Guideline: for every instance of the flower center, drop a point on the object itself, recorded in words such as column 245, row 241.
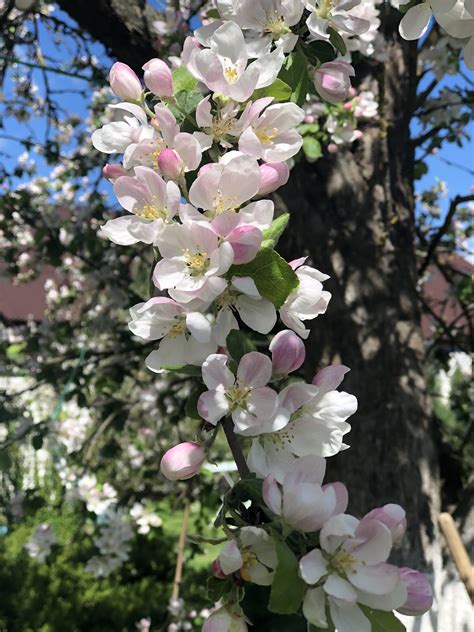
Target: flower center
column 221, row 127
column 231, row 74
column 275, row 25
column 220, row 203
column 226, row 299
column 266, row 136
column 152, row 211
column 249, row 560
column 237, row 396
column 280, row 438
column 197, row 263
column 178, row 329
column 341, row 562
column 325, row 8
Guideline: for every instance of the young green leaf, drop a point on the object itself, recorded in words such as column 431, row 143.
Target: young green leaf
column 382, row 621
column 337, row 41
column 238, row 344
column 273, row 276
column 279, row 90
column 183, row 81
column 319, row 52
column 288, row 588
column 312, row 148
column 276, row 228
column 295, row 74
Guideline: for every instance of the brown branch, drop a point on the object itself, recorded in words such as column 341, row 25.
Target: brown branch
column 459, row 199
column 181, row 544
column 235, row 448
column 458, row 552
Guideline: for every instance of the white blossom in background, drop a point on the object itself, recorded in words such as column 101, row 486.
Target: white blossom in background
column 145, row 518
column 40, row 544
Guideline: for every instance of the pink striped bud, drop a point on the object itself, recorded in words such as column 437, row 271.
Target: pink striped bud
column 124, row 82
column 183, row 461
column 332, row 80
column 420, row 595
column 113, row 171
column 170, row 164
column 158, row 78
column 217, row 570
column 273, row 175
column 393, row 517
column 288, row 352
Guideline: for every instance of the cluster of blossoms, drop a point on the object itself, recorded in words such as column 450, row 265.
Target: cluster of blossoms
column 40, row 544
column 202, row 149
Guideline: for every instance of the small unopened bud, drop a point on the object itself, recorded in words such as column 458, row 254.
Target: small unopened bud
column 393, row 517
column 113, row 171
column 170, row 164
column 124, row 82
column 332, row 148
column 217, row 570
column 273, row 176
column 288, row 352
column 183, row 461
column 158, row 78
column 332, row 80
column 420, row 595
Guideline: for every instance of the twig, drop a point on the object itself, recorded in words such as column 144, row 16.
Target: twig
column 458, row 552
column 180, row 559
column 235, row 448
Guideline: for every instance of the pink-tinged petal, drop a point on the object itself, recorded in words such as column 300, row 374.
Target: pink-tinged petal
column 393, row 517
column 198, row 326
column 189, row 149
column 170, row 164
column 158, row 78
column 391, row 601
column 245, row 242
column 230, row 558
column 202, row 191
column 349, row 619
column 246, row 285
column 314, row 607
column 255, row 369
column 380, row 579
column 296, row 263
column 307, row 469
column 375, row 542
column 132, row 194
column 182, row 461
column 249, row 143
column 155, row 185
column 342, row 497
column 272, row 494
column 117, row 230
column 245, row 423
column 203, row 113
column 336, row 530
column 259, row 214
column 258, row 315
column 215, row 372
column 329, row 378
column 167, row 123
column 124, row 82
column 273, row 176
column 341, row 590
column 212, row 406
column 313, row 566
column 262, row 402
column 419, row 594
column 168, row 273
column 296, row 395
column 224, row 223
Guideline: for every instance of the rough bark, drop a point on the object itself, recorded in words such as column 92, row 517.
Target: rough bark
column 353, row 214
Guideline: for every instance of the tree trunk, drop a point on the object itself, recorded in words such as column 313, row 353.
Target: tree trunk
column 353, row 214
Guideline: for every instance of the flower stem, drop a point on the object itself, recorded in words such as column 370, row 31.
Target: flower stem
column 235, row 448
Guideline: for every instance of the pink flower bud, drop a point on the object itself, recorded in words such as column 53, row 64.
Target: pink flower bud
column 170, row 164
column 273, row 175
column 112, row 172
column 245, row 241
column 332, row 80
column 288, row 352
column 393, row 517
column 309, row 118
column 223, row 620
column 183, row 461
column 420, row 595
column 124, row 82
column 217, row 570
column 158, row 78
column 348, row 106
column 332, row 148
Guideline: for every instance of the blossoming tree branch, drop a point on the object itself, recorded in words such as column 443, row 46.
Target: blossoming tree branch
column 203, row 147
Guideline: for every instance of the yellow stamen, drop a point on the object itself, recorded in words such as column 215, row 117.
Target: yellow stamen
column 198, row 263
column 266, row 136
column 231, row 74
column 275, row 25
column 249, row 559
column 178, row 329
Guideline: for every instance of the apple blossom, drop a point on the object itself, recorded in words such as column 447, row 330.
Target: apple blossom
column 245, row 396
column 222, row 127
column 252, row 553
column 186, row 336
column 332, row 80
column 151, row 202
column 302, row 501
column 193, row 261
column 458, row 21
column 182, row 461
column 415, row 22
column 272, row 135
column 273, row 176
column 223, row 66
column 288, row 352
column 393, row 517
column 130, row 128
column 224, row 620
column 336, row 14
column 351, row 565
column 158, row 78
column 420, row 596
column 124, row 82
column 308, row 301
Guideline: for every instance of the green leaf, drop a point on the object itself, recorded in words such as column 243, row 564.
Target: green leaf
column 190, row 407
column 295, row 74
column 238, row 344
column 183, row 81
column 218, row 588
column 319, row 52
column 276, row 228
column 337, row 41
column 273, row 276
column 185, row 369
column 312, row 148
column 5, row 460
column 382, row 621
column 279, row 90
column 37, row 441
column 244, row 490
column 288, row 588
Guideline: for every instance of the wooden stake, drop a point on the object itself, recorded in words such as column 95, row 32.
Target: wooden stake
column 458, row 552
